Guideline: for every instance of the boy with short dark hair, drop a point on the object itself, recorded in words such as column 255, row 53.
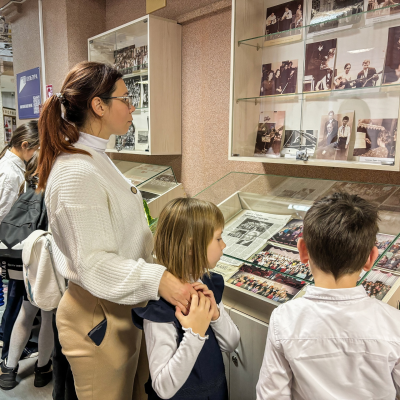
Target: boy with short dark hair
column 335, row 342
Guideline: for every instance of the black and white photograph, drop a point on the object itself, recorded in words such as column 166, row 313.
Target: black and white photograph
column 129, row 139
column 378, row 283
column 270, row 134
column 140, row 60
column 375, row 194
column 358, row 65
column 329, row 15
column 319, row 65
column 133, row 86
column 124, row 59
column 383, row 241
column 283, row 19
column 335, row 135
column 145, row 93
column 289, row 234
column 142, row 140
column 296, row 140
column 259, row 282
column 284, row 261
column 279, row 78
column 382, row 10
column 392, row 60
column 248, row 233
column 376, row 139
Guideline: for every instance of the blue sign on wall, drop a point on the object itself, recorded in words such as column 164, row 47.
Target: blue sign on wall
column 29, row 96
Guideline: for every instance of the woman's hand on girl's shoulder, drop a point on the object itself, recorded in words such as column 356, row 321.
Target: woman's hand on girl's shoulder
column 200, row 314
column 203, row 288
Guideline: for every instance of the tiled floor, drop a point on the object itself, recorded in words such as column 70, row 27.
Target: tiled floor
column 25, row 389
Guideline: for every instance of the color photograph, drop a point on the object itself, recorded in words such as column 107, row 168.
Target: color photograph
column 383, row 241
column 319, row 65
column 335, row 135
column 289, row 234
column 378, row 283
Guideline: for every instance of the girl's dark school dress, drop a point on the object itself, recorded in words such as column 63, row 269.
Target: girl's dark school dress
column 207, row 380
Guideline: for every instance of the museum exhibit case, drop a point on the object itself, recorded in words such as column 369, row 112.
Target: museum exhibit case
column 316, row 83
column 157, row 183
column 261, row 265
column 147, row 52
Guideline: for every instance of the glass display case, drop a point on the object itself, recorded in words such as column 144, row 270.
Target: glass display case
column 137, row 50
column 263, row 222
column 315, row 82
column 157, row 183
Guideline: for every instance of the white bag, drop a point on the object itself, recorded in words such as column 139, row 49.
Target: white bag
column 43, row 284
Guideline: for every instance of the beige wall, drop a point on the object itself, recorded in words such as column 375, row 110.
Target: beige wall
column 205, row 85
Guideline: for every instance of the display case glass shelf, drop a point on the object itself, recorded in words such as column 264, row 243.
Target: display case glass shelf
column 263, row 222
column 321, row 89
column 138, row 49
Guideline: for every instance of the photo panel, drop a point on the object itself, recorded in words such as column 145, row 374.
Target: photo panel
column 319, row 65
column 391, row 259
column 133, row 85
column 376, row 139
column 279, row 78
column 378, row 283
column 358, row 65
column 331, row 15
column 258, row 281
column 383, row 241
column 293, row 230
column 270, row 134
column 296, row 140
column 334, row 136
column 392, row 61
column 283, row 22
column 124, row 59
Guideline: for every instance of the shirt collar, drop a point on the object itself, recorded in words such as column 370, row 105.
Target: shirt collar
column 15, row 160
column 318, row 293
column 94, row 142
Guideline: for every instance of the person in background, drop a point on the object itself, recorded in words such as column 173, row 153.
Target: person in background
column 99, row 228
column 23, row 144
column 357, row 354
column 184, row 352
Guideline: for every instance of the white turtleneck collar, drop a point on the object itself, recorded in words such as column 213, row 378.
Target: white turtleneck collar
column 94, row 142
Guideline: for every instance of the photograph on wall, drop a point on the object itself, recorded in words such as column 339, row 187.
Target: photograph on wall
column 270, row 134
column 133, row 86
column 383, row 241
column 376, row 139
column 258, row 281
column 375, row 194
column 330, row 15
column 283, row 261
column 124, row 59
column 279, row 78
column 296, row 140
column 289, row 234
column 334, row 136
column 250, row 232
column 145, row 94
column 284, row 21
column 319, row 65
column 392, row 60
column 357, row 67
column 378, row 283
column 382, row 10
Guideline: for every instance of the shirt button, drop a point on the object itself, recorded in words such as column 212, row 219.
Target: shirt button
column 133, row 190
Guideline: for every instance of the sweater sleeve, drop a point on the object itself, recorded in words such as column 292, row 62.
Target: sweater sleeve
column 84, row 231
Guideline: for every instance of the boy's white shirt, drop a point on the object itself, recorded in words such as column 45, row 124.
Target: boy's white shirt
column 332, row 344
column 170, row 365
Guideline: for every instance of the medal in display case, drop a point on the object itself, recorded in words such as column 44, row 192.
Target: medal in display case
column 147, row 52
column 261, row 266
column 315, row 83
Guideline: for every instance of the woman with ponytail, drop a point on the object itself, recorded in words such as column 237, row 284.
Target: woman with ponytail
column 99, row 226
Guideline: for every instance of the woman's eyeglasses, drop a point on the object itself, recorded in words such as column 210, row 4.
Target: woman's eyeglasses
column 128, row 100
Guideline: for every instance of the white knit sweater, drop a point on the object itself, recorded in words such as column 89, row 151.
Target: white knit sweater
column 100, row 227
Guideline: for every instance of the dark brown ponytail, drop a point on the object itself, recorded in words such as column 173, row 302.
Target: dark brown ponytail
column 24, row 133
column 83, row 83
